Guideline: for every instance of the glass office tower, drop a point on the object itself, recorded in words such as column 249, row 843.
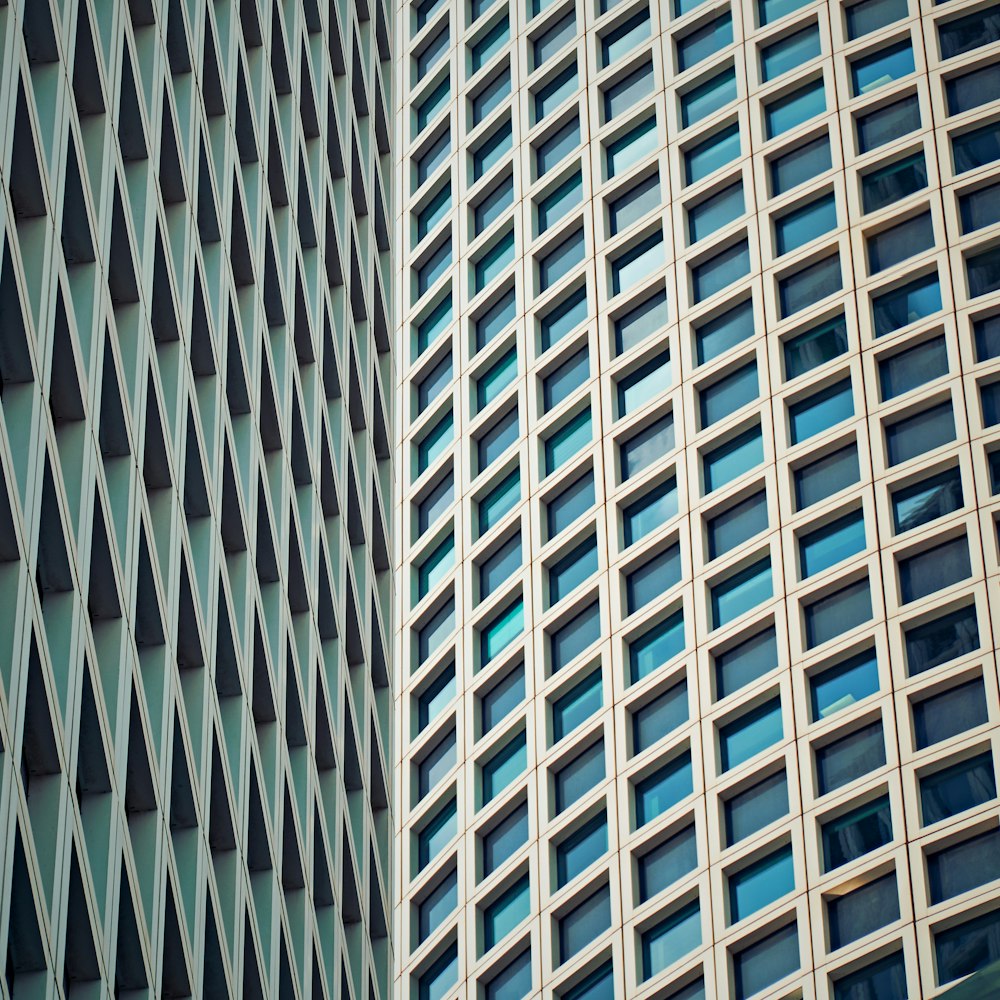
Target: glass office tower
column 195, row 480
column 699, row 444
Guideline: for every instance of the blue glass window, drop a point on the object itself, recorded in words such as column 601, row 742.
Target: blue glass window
column 649, row 511
column 433, row 325
column 708, row 40
column 438, row 832
column 513, row 981
column 831, row 544
column 979, row 209
column 976, row 148
column 943, row 715
column 663, row 789
column 426, row 10
column 569, row 504
column 491, row 151
column 501, row 374
column 820, row 411
column 912, row 436
column 870, row 15
column 435, row 696
column 433, row 212
column 576, row 706
column 850, row 757
column 493, row 262
column 927, row 500
column 434, row 382
column 801, row 164
column 750, row 734
column 564, row 317
column 806, row 223
column 596, row 986
column 435, row 567
column 566, row 442
column 557, row 146
column 646, row 446
column 561, row 259
column 828, row 617
column 726, row 462
column 570, row 571
column 432, row 104
column 900, row 373
column 628, row 91
column 581, row 849
column 882, row 67
column 439, row 760
column 934, row 569
column 568, row 641
column 889, row 184
column 563, row 381
column 828, row 475
column 432, row 52
column 716, row 336
column 625, row 37
column 713, row 213
column 504, row 767
column 437, row 906
column 499, row 501
column 434, row 504
column 440, row 977
column 575, row 779
column 809, row 285
column 556, row 205
column 761, row 883
column 432, row 268
column 659, row 717
column 636, row 143
column 770, row 11
column 886, row 124
column 634, row 203
column 736, row 524
column 957, row 788
column 789, row 52
column 555, row 91
column 720, row 271
column 766, row 961
column 502, row 840
column 760, row 805
column 502, row 433
column 637, row 263
column 498, row 568
column 987, row 335
column 710, row 154
column 972, row 90
column 501, row 631
column 856, row 833
column 704, row 100
column 908, row 303
column 435, row 443
column 490, row 44
column 550, row 41
column 745, row 662
column 724, row 397
column 891, row 246
column 583, row 924
column 645, row 383
column 863, row 911
column 964, row 948
column 983, row 271
column 499, row 700
column 667, row 863
column 671, row 939
column 496, row 318
column 506, row 912
column 795, row 109
column 840, row 686
column 963, row 34
column 815, row 346
column 741, row 592
column 957, row 868
column 656, row 646
column 942, row 639
column 652, row 578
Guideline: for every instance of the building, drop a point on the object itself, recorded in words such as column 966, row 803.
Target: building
column 699, row 327
column 195, row 480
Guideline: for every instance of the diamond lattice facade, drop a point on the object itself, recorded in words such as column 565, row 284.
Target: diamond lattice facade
column 699, row 426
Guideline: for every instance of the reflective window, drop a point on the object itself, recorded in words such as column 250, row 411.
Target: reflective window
column 891, row 246
column 504, row 839
column 440, row 977
column 957, row 868
column 815, row 346
column 547, row 43
column 789, row 52
column 561, row 259
column 435, row 567
column 637, row 263
column 806, row 223
column 490, row 44
column 659, row 717
column 912, row 436
column 856, row 833
column 433, row 212
column 737, row 524
column 841, row 611
column 502, row 499
column 439, row 760
column 884, row 978
column 840, row 686
column 725, row 396
column 627, row 92
column 725, row 463
column 506, row 912
column 708, row 40
column 807, row 286
column 708, row 97
column 934, row 569
column 769, row 11
column 563, row 381
column 888, row 123
column 438, row 832
column 761, row 883
column 716, row 336
column 433, row 325
column 862, row 911
column 741, row 592
column 554, row 91
column 566, row 442
column 587, row 921
column 651, row 510
column 850, row 757
column 755, row 807
column 641, row 321
column 900, row 373
column 764, row 962
column 964, row 948
column 671, row 939
column 889, row 184
column 720, row 271
column 581, row 849
column 501, row 632
column 499, row 566
column 957, row 788
column 750, row 734
column 908, row 303
column 935, row 642
column 496, row 318
column 575, row 779
column 976, row 147
column 491, row 151
column 828, row 475
column 513, row 981
column 501, row 699
column 707, row 156
column 435, row 443
column 658, row 574
column 745, row 662
column 794, row 109
column 656, row 646
column 497, row 439
column 927, row 500
column 713, row 213
column 564, row 317
column 979, row 209
column 948, row 713
column 568, row 641
column 963, row 34
column 637, row 142
column 634, row 203
column 557, row 146
column 570, row 571
column 504, row 767
column 801, row 164
column 972, row 90
column 643, row 384
column 625, row 37
column 831, row 544
column 435, row 696
column 882, row 67
column 870, row 15
column 663, row 789
column 572, row 502
column 983, row 271
column 437, row 906
column 667, row 863
column 820, row 411
column 646, row 446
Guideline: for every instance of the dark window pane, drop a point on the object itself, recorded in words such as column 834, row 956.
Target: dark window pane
column 949, row 713
column 884, row 979
column 815, row 347
column 942, row 639
column 718, row 335
column 979, row 209
column 902, row 372
column 856, row 833
column 745, row 662
column 568, row 641
column 828, row 475
column 659, row 717
column 863, row 911
column 667, row 863
column 891, row 246
column 963, row 34
column 577, row 777
column 906, row 304
column 652, row 578
column 804, row 288
column 976, row 148
column 971, row 90
column 924, row 431
column 876, row 128
column 850, row 757
column 983, row 270
column 870, row 15
column 927, row 500
column 963, row 866
column 737, row 524
column 841, row 611
column 800, row 165
column 504, row 839
column 962, row 786
column 756, row 807
column 766, row 961
column 565, row 507
column 968, row 947
column 934, row 569
column 587, row 921
column 892, row 183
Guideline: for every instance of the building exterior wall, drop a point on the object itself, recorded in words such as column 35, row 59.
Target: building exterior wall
column 698, row 557
column 195, row 481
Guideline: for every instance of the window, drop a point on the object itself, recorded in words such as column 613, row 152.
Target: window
column 708, row 40
column 637, row 263
column 433, row 267
column 948, row 713
column 644, row 447
column 957, row 868
column 625, row 37
column 964, row 948
column 856, row 833
column 627, row 92
column 720, row 271
column 434, row 382
column 850, row 757
column 564, row 317
column 435, row 567
column 704, row 100
column 596, row 986
column 499, row 566
column 828, row 475
column 426, row 10
column 438, row 831
column 886, row 124
column 663, row 789
column 707, row 156
column 769, row 11
column 586, row 922
column 795, row 109
column 433, row 212
column 884, row 978
column 566, row 442
column 432, row 104
column 716, row 336
column 652, row 578
column 987, row 335
column 487, row 211
column 503, row 840
column 499, row 501
column 979, row 209
column 439, row 760
column 550, row 41
column 656, row 646
column 741, row 592
column 558, row 261
column 431, row 52
column 496, row 318
column 810, row 284
column 568, row 641
column 745, row 662
column 555, row 90
column 491, row 151
column 566, row 379
column 814, row 347
column 659, row 717
column 845, row 684
column 828, row 617
column 891, row 246
column 641, row 321
column 555, row 206
column 972, row 90
column 513, row 981
column 434, row 504
column 498, row 377
column 801, row 164
column 906, row 304
column 501, row 699
column 579, row 776
column 435, row 696
column 713, row 213
column 667, row 863
column 557, row 146
column 643, row 384
column 821, row 411
column 957, row 788
column 750, row 734
column 760, row 805
column 983, row 270
column 963, row 34
column 902, row 372
column 738, row 455
column 490, row 44
column 501, row 631
column 736, row 524
column 870, row 15
column 761, row 883
column 831, row 544
column 572, row 502
column 573, row 569
column 889, row 184
column 863, row 911
column 976, row 147
column 804, row 224
column 504, row 767
column 440, row 977
column 934, row 569
column 497, row 439
column 650, row 511
column 434, row 631
column 581, row 849
column 493, row 262
column 506, row 912
column 941, row 639
column 912, row 436
column 479, row 7
column 768, row 960
column 884, row 66
column 927, row 500
column 437, row 906
column 433, row 325
column 633, row 145
column 790, row 52
column 671, row 939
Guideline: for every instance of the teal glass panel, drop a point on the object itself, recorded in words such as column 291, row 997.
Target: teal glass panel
column 760, row 884
column 566, row 379
column 493, row 262
column 435, row 101
column 958, row 788
column 628, row 91
column 434, row 503
column 808, row 286
column 434, row 383
column 720, row 271
column 643, row 448
column 705, row 41
column 491, row 151
column 927, row 500
column 645, row 383
column 579, row 776
column 745, row 662
column 766, row 961
column 637, row 263
column 915, row 300
column 502, row 840
column 942, row 639
column 760, row 805
column 436, row 834
column 708, row 97
column 561, row 259
column 555, row 206
column 502, row 631
column 637, row 201
column 585, row 923
column 513, row 981
column 667, row 863
column 435, row 567
column 656, row 646
column 718, row 335
column 671, row 939
column 570, row 504
column 425, row 11
column 435, row 443
column 659, row 717
column 750, row 734
column 504, row 767
column 831, row 544
column 499, row 501
column 496, row 570
column 566, row 442
column 432, row 158
column 843, row 685
column 572, row 570
column 805, row 224
column 576, row 706
column 663, row 789
column 656, row 575
column 682, row 7
column 641, row 321
column 564, row 317
column 496, row 318
column 437, row 907
column 801, row 164
column 891, row 246
column 625, row 37
column 490, row 44
column 882, row 67
column 581, row 849
column 736, row 525
column 870, row 15
column 856, row 833
column 557, row 146
column 506, row 912
column 713, row 213
column 912, row 436
column 723, row 398
column 501, row 435
column 789, row 52
column 841, row 611
column 550, row 41
column 637, row 142
column 568, row 641
column 598, row 985
column 432, row 701
column 432, row 52
column 433, row 212
column 886, row 124
column 441, row 976
column 901, row 373
column 795, row 109
column 892, row 183
column 433, row 268
column 501, row 699
column 814, row 347
column 826, row 476
column 649, row 511
column 491, row 384
column 555, row 92
column 710, row 154
column 723, row 464
column 770, row 11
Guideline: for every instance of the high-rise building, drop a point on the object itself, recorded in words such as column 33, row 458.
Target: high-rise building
column 195, row 497
column 699, row 445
